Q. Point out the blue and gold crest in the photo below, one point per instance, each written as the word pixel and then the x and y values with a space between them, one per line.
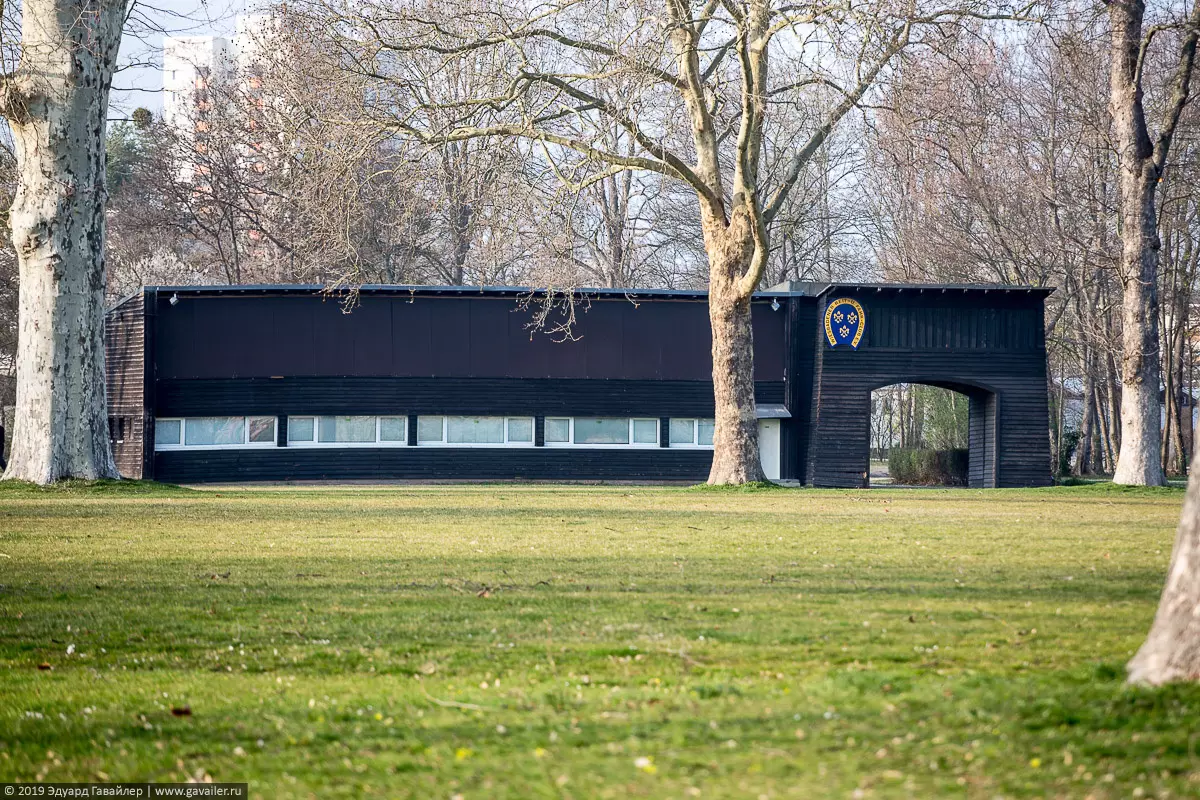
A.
pixel 845 322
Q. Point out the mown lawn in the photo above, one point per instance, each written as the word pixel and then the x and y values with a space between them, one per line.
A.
pixel 577 642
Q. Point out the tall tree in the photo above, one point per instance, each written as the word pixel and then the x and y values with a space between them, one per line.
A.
pixel 1143 161
pixel 56 102
pixel 693 83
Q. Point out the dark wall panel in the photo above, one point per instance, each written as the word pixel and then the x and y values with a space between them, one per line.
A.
pixel 190 398
pixel 399 463
pixel 289 322
pixel 412 339
pixel 770 338
pixel 641 350
pixel 489 336
pixel 410 335
pixel 602 342
pixel 449 339
pixel 1001 367
pixel 371 324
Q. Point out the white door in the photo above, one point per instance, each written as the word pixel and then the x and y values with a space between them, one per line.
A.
pixel 768 446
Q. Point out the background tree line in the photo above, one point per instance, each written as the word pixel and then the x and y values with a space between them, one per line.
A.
pixel 985 158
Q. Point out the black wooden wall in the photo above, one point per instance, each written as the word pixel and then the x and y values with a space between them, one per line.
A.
pixel 457 336
pixel 283 351
pixel 989 345
pixel 417 353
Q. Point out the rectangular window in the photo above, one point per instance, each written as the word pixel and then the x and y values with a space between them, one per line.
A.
pixel 558 430
pixel 214 432
pixel 601 431
pixel 346 430
pixel 352 431
pixel 431 430
pixel 683 431
pixel 261 430
pixel 645 431
pixel 475 431
pixel 301 429
pixel 520 430
pixel 168 432
pixel 686 432
pixel 393 429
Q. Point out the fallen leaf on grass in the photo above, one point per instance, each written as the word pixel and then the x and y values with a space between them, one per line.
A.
pixel 181 711
pixel 44 666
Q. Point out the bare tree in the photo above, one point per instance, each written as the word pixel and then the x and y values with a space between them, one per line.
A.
pixel 56 102
pixel 692 84
pixel 1143 162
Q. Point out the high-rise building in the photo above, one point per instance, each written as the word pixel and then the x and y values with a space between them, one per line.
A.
pixel 190 63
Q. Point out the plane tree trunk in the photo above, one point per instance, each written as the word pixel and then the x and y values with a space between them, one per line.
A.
pixel 1171 651
pixel 56 103
pixel 735 444
pixel 1142 164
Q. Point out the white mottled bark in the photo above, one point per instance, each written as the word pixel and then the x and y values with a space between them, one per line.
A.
pixel 1172 649
pixel 57 105
pixel 730 249
pixel 1142 162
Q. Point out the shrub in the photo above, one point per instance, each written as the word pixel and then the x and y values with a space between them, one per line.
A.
pixel 928 467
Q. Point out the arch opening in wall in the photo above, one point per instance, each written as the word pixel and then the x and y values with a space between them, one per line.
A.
pixel 932 433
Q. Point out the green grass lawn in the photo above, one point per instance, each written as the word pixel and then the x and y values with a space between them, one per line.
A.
pixel 578 642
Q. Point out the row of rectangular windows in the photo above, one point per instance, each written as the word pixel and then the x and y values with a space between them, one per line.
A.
pixel 183 433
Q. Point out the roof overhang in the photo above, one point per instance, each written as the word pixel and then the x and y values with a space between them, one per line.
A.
pixel 772 411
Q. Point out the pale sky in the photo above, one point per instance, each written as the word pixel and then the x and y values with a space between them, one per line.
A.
pixel 139 80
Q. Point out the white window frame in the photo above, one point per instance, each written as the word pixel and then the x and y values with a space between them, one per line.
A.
pixel 631 444
pixel 245 445
pixel 379 418
pixel 695 445
pixel 505 420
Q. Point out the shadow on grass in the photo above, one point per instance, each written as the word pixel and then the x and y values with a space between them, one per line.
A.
pixel 101 488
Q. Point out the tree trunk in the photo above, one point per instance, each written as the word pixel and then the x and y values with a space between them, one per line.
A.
pixel 1171 651
pixel 57 106
pixel 1140 459
pixel 735 443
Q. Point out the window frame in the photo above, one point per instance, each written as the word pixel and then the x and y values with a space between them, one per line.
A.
pixel 246 444
pixel 316 435
pixel 504 425
pixel 631 444
pixel 695 443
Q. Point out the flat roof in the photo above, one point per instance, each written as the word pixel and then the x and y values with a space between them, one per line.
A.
pixel 788 289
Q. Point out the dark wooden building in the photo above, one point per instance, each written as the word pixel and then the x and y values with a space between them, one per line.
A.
pixel 268 383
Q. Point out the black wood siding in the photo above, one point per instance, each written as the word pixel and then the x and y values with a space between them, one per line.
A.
pixel 991 347
pixel 509 396
pixel 353 463
pixel 286 352
pixel 445 337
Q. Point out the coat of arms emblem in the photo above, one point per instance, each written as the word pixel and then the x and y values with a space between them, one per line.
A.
pixel 845 322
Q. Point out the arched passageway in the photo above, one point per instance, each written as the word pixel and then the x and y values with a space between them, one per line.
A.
pixel 931 434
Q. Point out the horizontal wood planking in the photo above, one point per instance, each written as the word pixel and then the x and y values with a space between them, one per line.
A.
pixel 451 337
pixel 1005 374
pixel 483 396
pixel 474 355
pixel 406 463
pixel 125 356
